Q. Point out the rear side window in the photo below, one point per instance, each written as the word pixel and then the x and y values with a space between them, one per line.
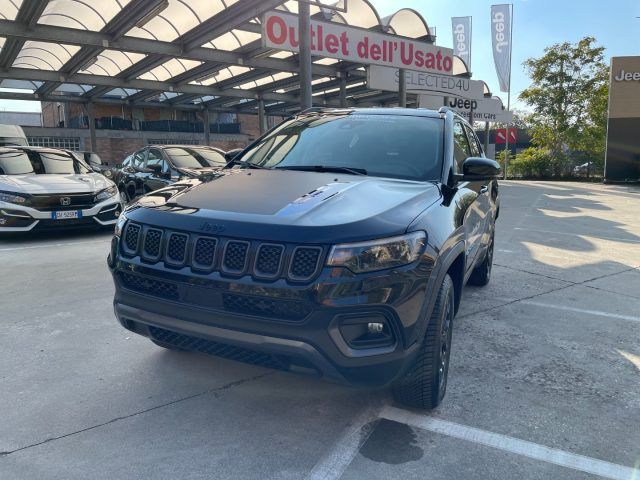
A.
pixel 15 163
pixel 461 149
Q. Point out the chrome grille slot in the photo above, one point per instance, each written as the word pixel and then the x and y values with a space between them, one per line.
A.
pixel 235 257
pixel 304 263
pixel 177 249
pixel 131 238
pixel 152 244
pixel 204 253
pixel 268 260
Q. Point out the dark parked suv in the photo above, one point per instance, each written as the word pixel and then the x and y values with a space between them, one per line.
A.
pixel 336 244
pixel 156 167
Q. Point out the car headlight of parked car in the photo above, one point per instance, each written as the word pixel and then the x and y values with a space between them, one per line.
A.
pixel 106 193
pixel 378 254
pixel 11 197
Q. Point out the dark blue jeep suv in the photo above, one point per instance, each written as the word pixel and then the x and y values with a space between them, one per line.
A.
pixel 337 244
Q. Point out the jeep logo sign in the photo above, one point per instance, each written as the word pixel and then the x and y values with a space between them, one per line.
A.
pixel 623 150
pixel 627 76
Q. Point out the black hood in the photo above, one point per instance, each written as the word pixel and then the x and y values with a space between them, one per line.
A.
pixel 286 205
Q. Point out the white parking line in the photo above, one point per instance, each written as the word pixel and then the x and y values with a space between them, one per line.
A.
pixel 13 249
pixel 333 464
pixel 596 313
pixel 512 445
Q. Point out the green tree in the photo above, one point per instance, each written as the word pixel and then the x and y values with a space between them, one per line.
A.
pixel 568 93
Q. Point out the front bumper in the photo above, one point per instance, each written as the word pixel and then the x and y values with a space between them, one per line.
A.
pixel 255 326
pixel 21 218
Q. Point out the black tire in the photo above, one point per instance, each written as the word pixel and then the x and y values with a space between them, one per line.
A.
pixel 168 346
pixel 481 275
pixel 425 384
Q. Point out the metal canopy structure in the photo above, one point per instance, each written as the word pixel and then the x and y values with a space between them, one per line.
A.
pixel 182 54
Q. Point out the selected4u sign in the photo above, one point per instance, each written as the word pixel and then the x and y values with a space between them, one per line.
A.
pixel 357 45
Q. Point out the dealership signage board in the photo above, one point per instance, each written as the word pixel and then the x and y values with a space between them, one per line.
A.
pixel 484 110
pixel 623 148
pixel 352 44
pixel 385 78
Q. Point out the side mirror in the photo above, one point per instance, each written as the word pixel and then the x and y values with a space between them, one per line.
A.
pixel 476 169
pixel 231 154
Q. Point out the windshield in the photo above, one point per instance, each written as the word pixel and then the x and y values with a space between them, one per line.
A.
pixel 9 141
pixel 393 146
pixel 15 163
pixel 195 157
pixel 57 163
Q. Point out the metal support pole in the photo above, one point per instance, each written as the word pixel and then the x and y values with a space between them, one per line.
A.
pixel 304 31
pixel 343 89
pixel 261 116
pixel 402 89
pixel 92 127
pixel 207 127
pixel 487 131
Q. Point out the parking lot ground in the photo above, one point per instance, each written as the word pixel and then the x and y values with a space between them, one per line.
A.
pixel 544 380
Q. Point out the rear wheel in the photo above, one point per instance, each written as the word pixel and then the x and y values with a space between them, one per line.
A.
pixel 425 384
pixel 481 275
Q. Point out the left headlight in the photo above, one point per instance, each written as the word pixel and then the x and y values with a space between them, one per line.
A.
pixel 11 197
pixel 106 193
pixel 378 254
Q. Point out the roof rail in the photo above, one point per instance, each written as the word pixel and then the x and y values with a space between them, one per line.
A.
pixel 314 109
pixel 444 110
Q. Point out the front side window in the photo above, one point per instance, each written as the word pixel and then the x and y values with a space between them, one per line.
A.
pixel 15 163
pixel 138 160
pixel 394 146
pixel 461 149
pixel 473 143
pixel 188 157
pixel 154 157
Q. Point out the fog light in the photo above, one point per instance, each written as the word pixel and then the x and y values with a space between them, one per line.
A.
pixel 366 331
pixel 375 328
pixel 116 213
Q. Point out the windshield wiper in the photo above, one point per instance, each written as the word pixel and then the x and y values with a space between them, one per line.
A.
pixel 233 161
pixel 325 168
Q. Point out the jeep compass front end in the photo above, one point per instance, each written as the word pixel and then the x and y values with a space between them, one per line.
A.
pixel 333 245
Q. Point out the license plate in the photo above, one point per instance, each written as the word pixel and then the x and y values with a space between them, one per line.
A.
pixel 66 215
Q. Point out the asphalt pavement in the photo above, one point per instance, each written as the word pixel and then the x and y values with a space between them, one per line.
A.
pixel 544 379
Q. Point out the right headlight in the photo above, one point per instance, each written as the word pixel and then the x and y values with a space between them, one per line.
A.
pixel 11 197
pixel 378 254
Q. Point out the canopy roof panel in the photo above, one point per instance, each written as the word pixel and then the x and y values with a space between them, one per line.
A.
pixel 187 53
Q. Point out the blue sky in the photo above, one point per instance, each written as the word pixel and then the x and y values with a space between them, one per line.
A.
pixel 537 24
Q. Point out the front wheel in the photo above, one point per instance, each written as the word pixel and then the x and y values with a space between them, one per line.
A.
pixel 481 275
pixel 425 384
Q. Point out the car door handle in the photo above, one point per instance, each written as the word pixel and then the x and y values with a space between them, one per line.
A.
pixel 484 190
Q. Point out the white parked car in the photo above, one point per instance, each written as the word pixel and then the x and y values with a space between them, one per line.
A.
pixel 45 188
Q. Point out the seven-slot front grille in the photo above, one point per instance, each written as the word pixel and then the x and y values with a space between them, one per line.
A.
pixel 232 257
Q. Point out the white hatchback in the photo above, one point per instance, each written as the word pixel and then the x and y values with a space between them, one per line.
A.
pixel 46 188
